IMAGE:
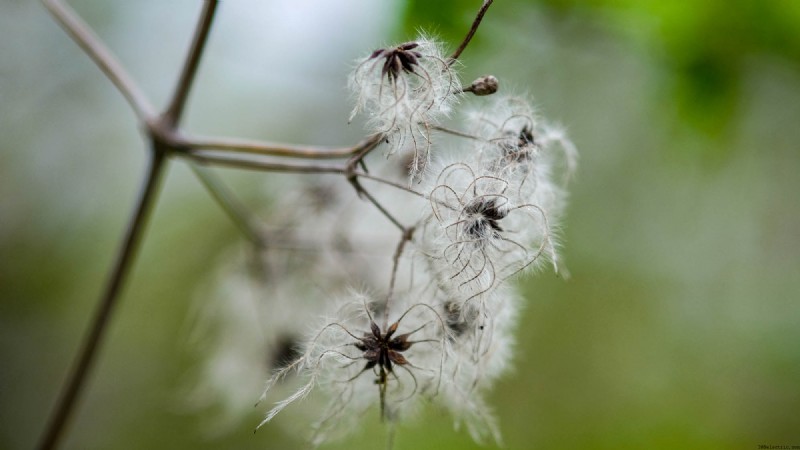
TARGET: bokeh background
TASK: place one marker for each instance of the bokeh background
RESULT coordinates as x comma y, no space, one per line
678,328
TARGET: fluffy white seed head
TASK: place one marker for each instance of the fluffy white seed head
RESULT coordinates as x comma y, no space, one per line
479,231
241,332
253,313
358,362
403,91
481,349
516,143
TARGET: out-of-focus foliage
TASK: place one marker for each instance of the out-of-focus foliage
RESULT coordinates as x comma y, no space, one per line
701,49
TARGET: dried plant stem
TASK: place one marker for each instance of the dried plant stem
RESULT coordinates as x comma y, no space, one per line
102,56
272,149
238,162
238,213
81,33
455,132
302,168
475,24
206,157
407,235
381,208
389,183
105,307
174,111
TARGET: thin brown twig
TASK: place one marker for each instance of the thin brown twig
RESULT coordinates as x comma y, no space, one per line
381,208
237,212
236,161
368,146
475,24
207,157
352,177
174,111
102,56
407,235
204,158
252,164
275,149
89,348
358,160
388,183
456,132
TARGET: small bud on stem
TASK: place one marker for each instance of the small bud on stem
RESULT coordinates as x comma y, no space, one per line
485,85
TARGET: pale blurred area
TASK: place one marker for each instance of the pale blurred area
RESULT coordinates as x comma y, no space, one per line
679,326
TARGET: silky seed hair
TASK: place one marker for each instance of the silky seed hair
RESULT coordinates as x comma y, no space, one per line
478,230
353,360
404,91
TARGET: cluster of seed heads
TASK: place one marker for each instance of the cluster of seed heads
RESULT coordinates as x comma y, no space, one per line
480,210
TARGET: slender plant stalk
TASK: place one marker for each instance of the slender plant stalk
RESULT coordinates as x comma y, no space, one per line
174,112
389,183
475,24
381,208
105,307
273,149
455,132
206,157
229,203
102,56
407,235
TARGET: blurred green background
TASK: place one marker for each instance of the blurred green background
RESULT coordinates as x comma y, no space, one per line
678,328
